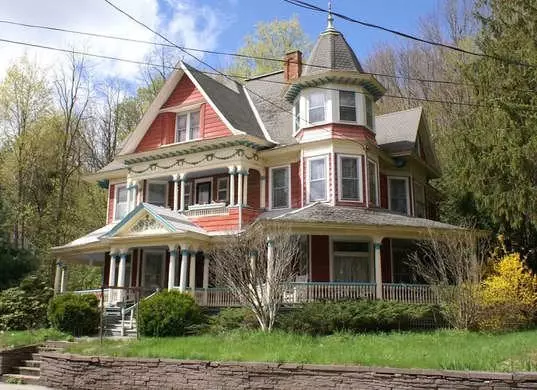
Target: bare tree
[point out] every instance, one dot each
(257, 266)
(453, 263)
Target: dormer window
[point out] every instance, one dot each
(187, 126)
(316, 107)
(347, 106)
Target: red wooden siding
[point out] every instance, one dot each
(213, 127)
(386, 260)
(161, 132)
(296, 194)
(219, 222)
(185, 92)
(383, 191)
(320, 259)
(111, 201)
(341, 131)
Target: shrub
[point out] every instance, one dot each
(322, 318)
(169, 313)
(233, 318)
(508, 295)
(74, 313)
(25, 307)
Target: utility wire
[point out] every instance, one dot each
(313, 7)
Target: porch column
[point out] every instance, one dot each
(231, 186)
(377, 244)
(172, 266)
(245, 195)
(134, 186)
(239, 186)
(58, 276)
(112, 276)
(205, 278)
(63, 282)
(263, 183)
(121, 273)
(128, 188)
(175, 192)
(184, 266)
(192, 272)
(182, 204)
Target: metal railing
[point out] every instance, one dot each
(130, 312)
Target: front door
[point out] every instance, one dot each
(153, 270)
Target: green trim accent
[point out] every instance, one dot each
(377, 245)
(185, 252)
(133, 213)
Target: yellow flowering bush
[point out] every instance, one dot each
(508, 295)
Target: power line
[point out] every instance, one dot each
(313, 7)
(280, 60)
(144, 63)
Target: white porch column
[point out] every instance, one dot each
(192, 272)
(128, 188)
(63, 282)
(172, 266)
(231, 186)
(121, 273)
(377, 244)
(175, 193)
(263, 183)
(239, 186)
(58, 277)
(182, 204)
(134, 186)
(245, 195)
(205, 278)
(184, 267)
(112, 277)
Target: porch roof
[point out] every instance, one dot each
(326, 214)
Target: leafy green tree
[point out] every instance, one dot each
(270, 40)
(15, 264)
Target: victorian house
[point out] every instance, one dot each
(301, 145)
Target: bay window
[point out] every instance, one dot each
(187, 126)
(350, 178)
(369, 112)
(280, 191)
(316, 107)
(398, 199)
(120, 209)
(347, 106)
(156, 193)
(372, 178)
(317, 179)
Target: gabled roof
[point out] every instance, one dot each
(399, 127)
(333, 52)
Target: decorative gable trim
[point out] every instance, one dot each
(147, 225)
(142, 220)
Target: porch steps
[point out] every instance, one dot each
(112, 324)
(30, 372)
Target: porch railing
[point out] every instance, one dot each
(206, 209)
(312, 291)
(409, 293)
(97, 292)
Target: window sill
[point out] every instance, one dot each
(180, 143)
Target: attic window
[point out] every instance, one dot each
(187, 126)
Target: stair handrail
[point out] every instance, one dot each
(130, 310)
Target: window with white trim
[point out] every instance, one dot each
(222, 189)
(280, 183)
(369, 112)
(398, 194)
(187, 126)
(120, 207)
(188, 193)
(316, 107)
(156, 193)
(347, 106)
(350, 176)
(373, 182)
(317, 179)
(297, 114)
(351, 262)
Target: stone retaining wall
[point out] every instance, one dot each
(13, 357)
(64, 371)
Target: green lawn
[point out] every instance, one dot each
(27, 337)
(443, 349)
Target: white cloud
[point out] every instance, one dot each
(181, 21)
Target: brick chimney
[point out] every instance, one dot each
(292, 68)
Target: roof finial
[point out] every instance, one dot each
(330, 26)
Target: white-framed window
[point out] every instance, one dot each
(203, 189)
(316, 107)
(350, 178)
(187, 126)
(188, 193)
(317, 179)
(157, 193)
(347, 106)
(398, 194)
(351, 262)
(120, 201)
(222, 189)
(296, 123)
(373, 182)
(280, 191)
(369, 112)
